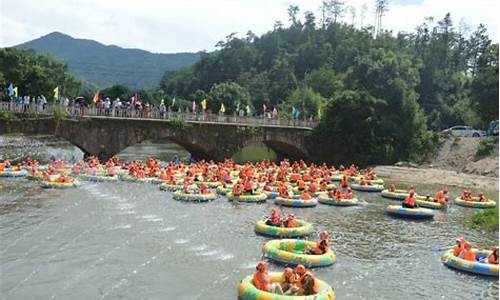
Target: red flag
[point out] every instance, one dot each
(264, 107)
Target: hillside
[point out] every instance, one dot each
(106, 65)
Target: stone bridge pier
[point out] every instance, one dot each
(106, 137)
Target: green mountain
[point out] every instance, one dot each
(104, 65)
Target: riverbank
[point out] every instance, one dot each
(432, 176)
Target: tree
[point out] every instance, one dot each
(293, 11)
(306, 100)
(325, 82)
(117, 91)
(231, 94)
(484, 90)
(381, 7)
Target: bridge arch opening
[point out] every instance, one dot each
(285, 150)
(254, 152)
(167, 149)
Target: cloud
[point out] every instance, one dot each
(193, 25)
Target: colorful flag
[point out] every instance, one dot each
(96, 96)
(204, 104)
(10, 89)
(194, 106)
(293, 111)
(264, 107)
(162, 102)
(56, 92)
(173, 102)
(319, 112)
(222, 108)
(238, 106)
(248, 110)
(15, 91)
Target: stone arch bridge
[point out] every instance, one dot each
(107, 136)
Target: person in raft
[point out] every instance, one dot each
(290, 221)
(306, 196)
(466, 195)
(237, 189)
(493, 257)
(459, 247)
(344, 183)
(262, 281)
(468, 254)
(482, 198)
(248, 186)
(274, 219)
(306, 283)
(392, 188)
(348, 194)
(441, 196)
(289, 285)
(322, 246)
(410, 201)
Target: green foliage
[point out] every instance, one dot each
(306, 100)
(36, 74)
(486, 147)
(231, 94)
(486, 220)
(180, 124)
(484, 90)
(117, 91)
(8, 117)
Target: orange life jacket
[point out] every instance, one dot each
(457, 250)
(410, 200)
(493, 259)
(439, 197)
(306, 196)
(291, 223)
(469, 255)
(344, 182)
(261, 280)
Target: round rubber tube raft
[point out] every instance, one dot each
(303, 228)
(409, 213)
(367, 188)
(179, 195)
(256, 197)
(325, 199)
(97, 178)
(396, 195)
(289, 202)
(480, 268)
(292, 252)
(248, 291)
(429, 204)
(475, 204)
(222, 190)
(170, 187)
(13, 173)
(58, 185)
(356, 179)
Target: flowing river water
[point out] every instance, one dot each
(132, 241)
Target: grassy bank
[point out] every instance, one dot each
(485, 220)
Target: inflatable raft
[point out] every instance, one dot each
(409, 213)
(396, 195)
(293, 252)
(367, 188)
(248, 291)
(179, 195)
(97, 178)
(170, 187)
(256, 197)
(475, 204)
(325, 199)
(422, 202)
(12, 173)
(58, 185)
(303, 228)
(480, 268)
(289, 202)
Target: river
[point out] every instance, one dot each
(133, 241)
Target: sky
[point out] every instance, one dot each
(166, 26)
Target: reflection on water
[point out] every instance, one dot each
(132, 241)
(162, 150)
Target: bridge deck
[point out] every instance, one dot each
(156, 116)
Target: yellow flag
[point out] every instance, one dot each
(222, 108)
(204, 104)
(15, 91)
(56, 92)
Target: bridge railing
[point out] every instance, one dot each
(76, 111)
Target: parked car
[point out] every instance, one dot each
(493, 129)
(463, 130)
